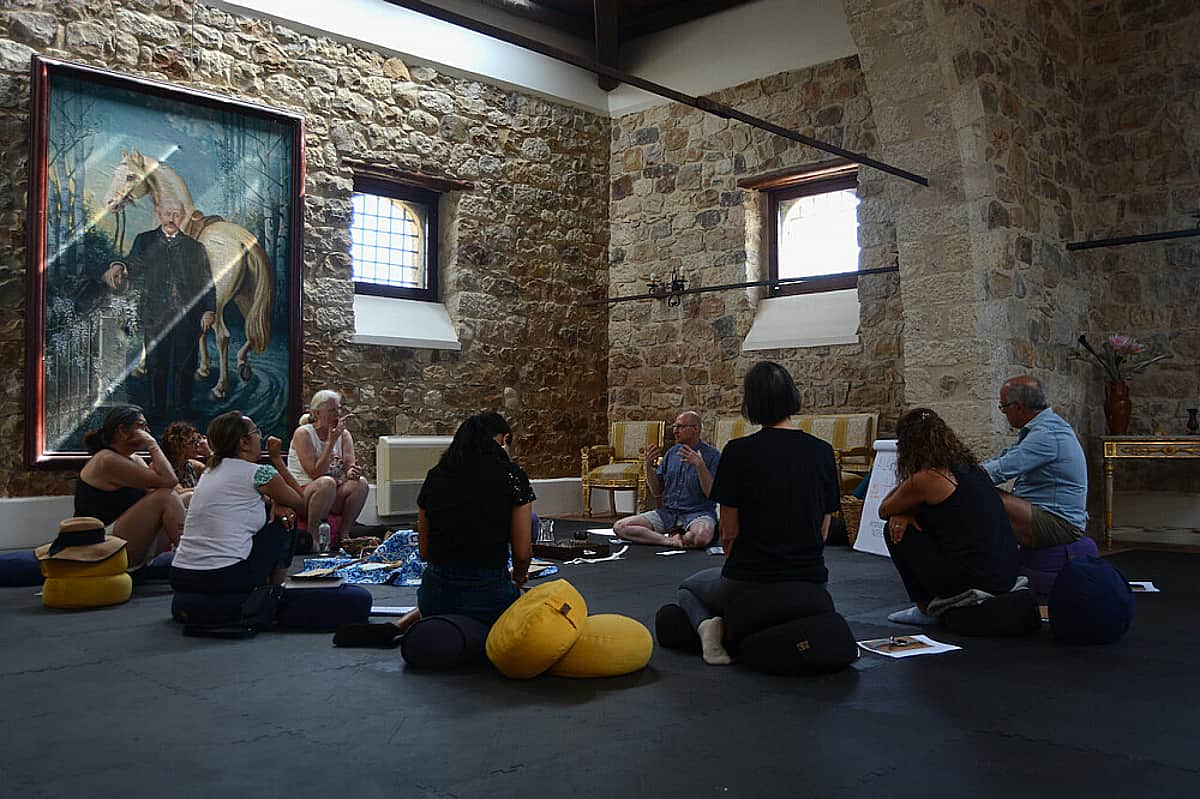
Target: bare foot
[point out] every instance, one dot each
(675, 541)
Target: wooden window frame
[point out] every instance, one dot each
(789, 189)
(364, 184)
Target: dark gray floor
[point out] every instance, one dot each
(116, 702)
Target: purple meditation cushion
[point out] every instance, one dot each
(1042, 566)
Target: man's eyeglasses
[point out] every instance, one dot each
(1004, 406)
(680, 426)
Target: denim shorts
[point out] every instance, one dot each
(482, 594)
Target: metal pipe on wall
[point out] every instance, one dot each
(704, 104)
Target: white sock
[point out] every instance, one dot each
(712, 635)
(913, 616)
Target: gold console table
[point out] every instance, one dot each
(1118, 448)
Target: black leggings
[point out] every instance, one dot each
(929, 572)
(273, 547)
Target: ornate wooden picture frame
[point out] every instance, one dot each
(165, 246)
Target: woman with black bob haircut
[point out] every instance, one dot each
(136, 502)
(947, 530)
(474, 508)
(230, 542)
(777, 489)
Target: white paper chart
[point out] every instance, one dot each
(883, 480)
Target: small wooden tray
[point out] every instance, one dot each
(569, 549)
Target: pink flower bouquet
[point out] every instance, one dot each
(1116, 355)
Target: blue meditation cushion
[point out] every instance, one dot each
(1091, 603)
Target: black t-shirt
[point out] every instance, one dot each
(972, 530)
(470, 511)
(782, 483)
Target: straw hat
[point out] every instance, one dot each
(81, 538)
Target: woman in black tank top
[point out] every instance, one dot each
(947, 530)
(138, 502)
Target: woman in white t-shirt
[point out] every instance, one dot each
(321, 458)
(230, 543)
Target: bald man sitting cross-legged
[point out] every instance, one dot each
(1048, 503)
(683, 481)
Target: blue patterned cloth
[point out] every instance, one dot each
(399, 550)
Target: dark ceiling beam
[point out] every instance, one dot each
(670, 15)
(702, 103)
(574, 24)
(606, 15)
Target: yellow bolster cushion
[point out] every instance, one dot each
(73, 593)
(111, 566)
(536, 630)
(610, 645)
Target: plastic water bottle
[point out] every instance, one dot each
(323, 535)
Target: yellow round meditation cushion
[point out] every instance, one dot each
(111, 566)
(610, 645)
(536, 630)
(73, 593)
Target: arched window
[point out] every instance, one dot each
(393, 236)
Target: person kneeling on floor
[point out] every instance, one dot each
(777, 488)
(947, 531)
(474, 506)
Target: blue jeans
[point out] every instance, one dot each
(482, 594)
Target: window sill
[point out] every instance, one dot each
(805, 320)
(392, 322)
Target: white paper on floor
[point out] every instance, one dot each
(717, 550)
(1144, 587)
(670, 552)
(906, 646)
(589, 561)
(391, 610)
(602, 531)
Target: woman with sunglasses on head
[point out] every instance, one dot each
(473, 510)
(230, 543)
(181, 443)
(136, 502)
(947, 531)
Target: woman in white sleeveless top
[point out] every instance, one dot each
(321, 458)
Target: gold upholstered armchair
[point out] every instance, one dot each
(618, 465)
(852, 436)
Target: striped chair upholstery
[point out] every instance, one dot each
(731, 427)
(617, 466)
(852, 436)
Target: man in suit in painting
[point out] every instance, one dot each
(177, 304)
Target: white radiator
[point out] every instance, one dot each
(400, 466)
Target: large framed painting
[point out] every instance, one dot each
(165, 246)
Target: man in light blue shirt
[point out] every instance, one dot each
(686, 517)
(1048, 503)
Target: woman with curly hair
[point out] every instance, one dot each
(181, 443)
(947, 530)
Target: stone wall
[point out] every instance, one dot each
(520, 250)
(1141, 138)
(675, 204)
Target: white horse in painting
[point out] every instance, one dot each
(241, 270)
